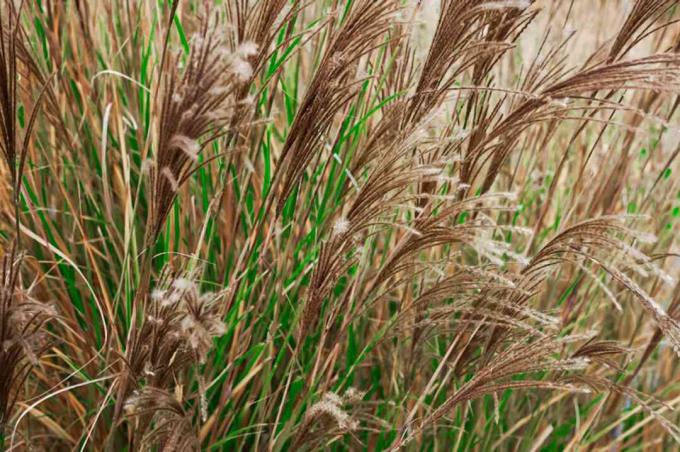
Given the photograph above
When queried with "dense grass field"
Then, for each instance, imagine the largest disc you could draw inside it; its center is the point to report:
(274, 225)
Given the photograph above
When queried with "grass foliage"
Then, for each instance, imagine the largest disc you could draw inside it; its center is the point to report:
(339, 225)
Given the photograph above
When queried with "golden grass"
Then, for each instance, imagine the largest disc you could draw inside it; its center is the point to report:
(343, 225)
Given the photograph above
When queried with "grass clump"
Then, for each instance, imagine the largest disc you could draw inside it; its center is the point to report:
(339, 225)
